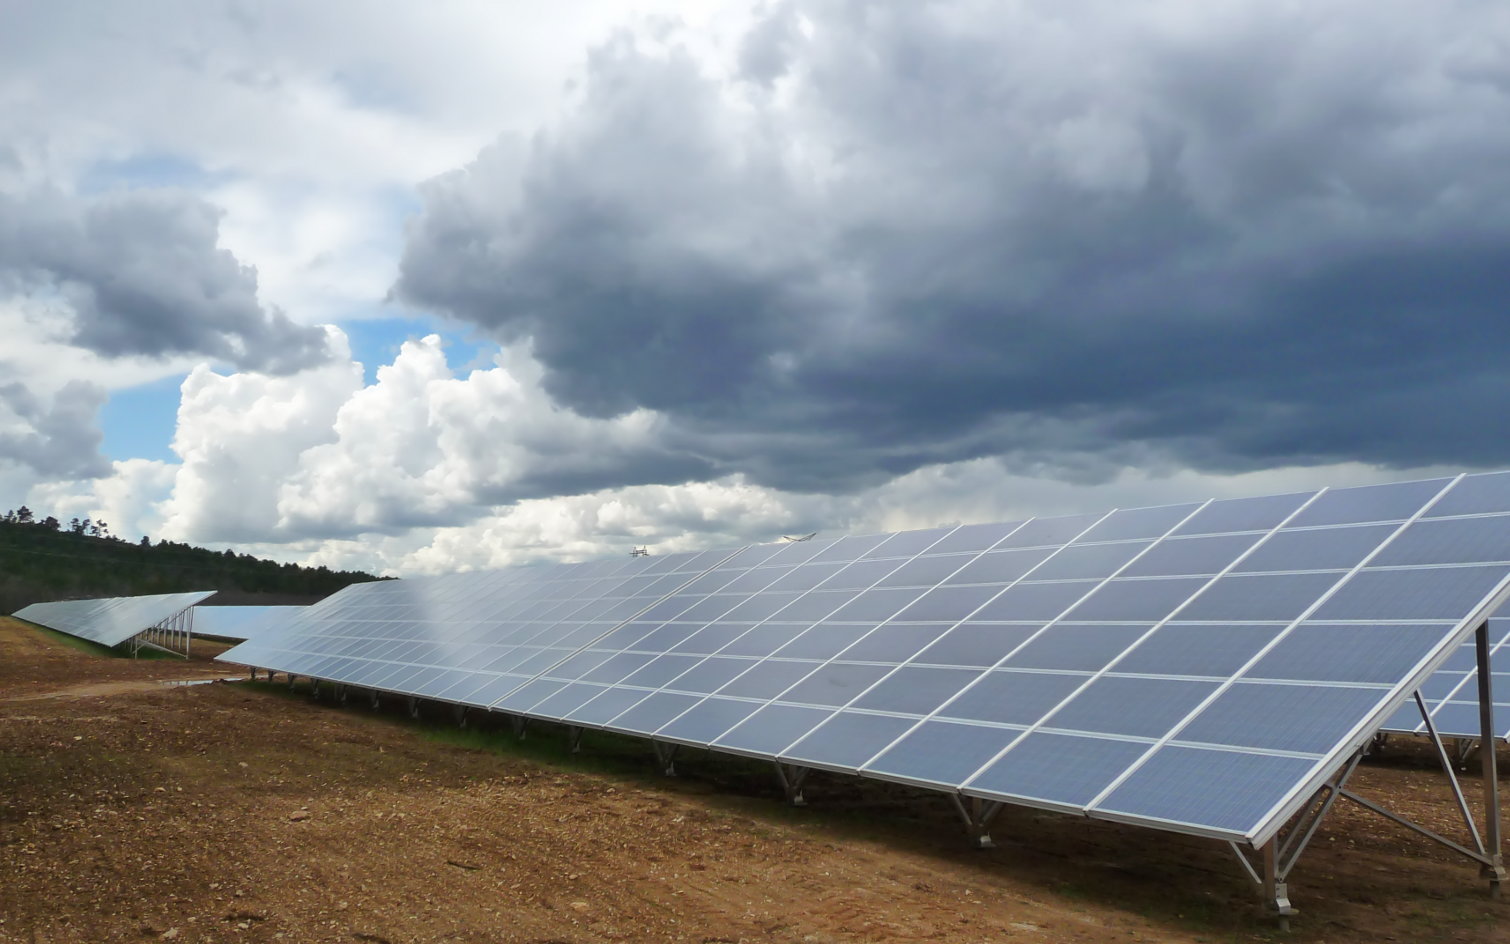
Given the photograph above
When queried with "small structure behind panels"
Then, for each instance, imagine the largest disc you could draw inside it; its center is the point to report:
(162, 621)
(240, 623)
(1215, 668)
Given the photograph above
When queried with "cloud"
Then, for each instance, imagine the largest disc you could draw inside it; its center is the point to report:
(56, 436)
(240, 437)
(139, 273)
(125, 499)
(1225, 237)
(318, 454)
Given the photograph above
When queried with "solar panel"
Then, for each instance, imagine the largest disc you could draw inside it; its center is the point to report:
(241, 622)
(1200, 668)
(1452, 693)
(111, 621)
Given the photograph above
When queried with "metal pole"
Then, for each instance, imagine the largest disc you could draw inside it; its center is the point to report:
(1276, 892)
(1495, 870)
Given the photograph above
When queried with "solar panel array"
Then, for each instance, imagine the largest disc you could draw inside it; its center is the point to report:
(111, 621)
(1200, 668)
(1452, 692)
(241, 622)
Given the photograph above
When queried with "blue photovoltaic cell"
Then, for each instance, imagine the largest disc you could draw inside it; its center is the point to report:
(1131, 523)
(1179, 557)
(1089, 560)
(1244, 716)
(847, 740)
(1019, 698)
(1448, 541)
(1243, 514)
(707, 720)
(941, 752)
(1439, 593)
(1347, 652)
(1061, 768)
(1000, 567)
(1135, 707)
(1124, 600)
(1315, 549)
(915, 689)
(1475, 495)
(1206, 649)
(1047, 532)
(1259, 597)
(1033, 601)
(771, 728)
(1192, 667)
(1076, 647)
(1218, 789)
(978, 645)
(1393, 502)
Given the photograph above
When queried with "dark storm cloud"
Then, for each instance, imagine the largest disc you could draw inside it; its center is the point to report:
(58, 438)
(1071, 236)
(141, 274)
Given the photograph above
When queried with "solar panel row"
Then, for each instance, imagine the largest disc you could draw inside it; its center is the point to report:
(111, 621)
(240, 622)
(1452, 694)
(1200, 668)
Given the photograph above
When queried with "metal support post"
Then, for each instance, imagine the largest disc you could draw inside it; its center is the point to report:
(341, 693)
(1276, 892)
(520, 724)
(665, 756)
(374, 702)
(460, 711)
(413, 704)
(792, 777)
(1494, 869)
(977, 814)
(314, 687)
(574, 739)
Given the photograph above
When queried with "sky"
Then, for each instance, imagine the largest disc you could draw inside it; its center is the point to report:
(417, 288)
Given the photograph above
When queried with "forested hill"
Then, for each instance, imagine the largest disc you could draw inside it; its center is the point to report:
(44, 559)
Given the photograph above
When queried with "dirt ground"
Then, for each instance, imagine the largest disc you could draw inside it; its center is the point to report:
(134, 810)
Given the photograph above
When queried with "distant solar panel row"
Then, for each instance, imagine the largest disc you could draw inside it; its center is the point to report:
(111, 621)
(1200, 668)
(241, 622)
(1452, 692)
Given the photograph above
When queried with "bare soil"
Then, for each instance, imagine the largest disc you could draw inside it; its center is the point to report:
(132, 810)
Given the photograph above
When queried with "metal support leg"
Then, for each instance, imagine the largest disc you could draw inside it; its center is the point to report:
(341, 694)
(665, 756)
(461, 716)
(521, 726)
(574, 739)
(314, 688)
(290, 681)
(373, 701)
(977, 814)
(792, 778)
(1276, 892)
(413, 707)
(1494, 869)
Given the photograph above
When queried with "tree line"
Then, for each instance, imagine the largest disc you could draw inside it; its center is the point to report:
(42, 558)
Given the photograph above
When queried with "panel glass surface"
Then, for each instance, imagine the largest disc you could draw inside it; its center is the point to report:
(1184, 667)
(111, 621)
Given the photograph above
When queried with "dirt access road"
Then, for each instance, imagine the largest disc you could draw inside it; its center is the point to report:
(133, 811)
